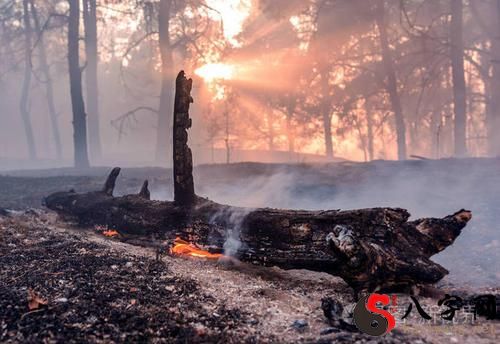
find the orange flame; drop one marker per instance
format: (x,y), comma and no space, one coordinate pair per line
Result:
(110,233)
(184,248)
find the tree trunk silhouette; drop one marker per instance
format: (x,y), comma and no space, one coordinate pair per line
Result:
(325,109)
(369,130)
(327,124)
(391,83)
(163,136)
(182,156)
(435,131)
(226,137)
(458,77)
(49,87)
(270,130)
(290,109)
(92,85)
(493,113)
(75,79)
(25,91)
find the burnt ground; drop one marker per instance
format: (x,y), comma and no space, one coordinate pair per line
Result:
(102,290)
(94,294)
(60,284)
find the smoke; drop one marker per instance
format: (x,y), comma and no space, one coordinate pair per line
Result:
(426,189)
(232,243)
(232,219)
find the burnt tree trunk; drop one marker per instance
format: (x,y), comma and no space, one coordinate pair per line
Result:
(183,158)
(372,249)
(75,79)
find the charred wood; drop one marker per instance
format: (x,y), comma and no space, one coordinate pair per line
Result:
(183,159)
(371,249)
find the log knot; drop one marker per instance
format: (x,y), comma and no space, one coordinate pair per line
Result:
(343,241)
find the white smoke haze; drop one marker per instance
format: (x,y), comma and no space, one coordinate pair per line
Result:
(232,219)
(426,189)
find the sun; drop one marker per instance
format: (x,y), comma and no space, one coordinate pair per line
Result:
(232,14)
(215,71)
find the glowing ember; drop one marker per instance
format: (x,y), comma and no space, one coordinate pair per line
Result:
(110,233)
(183,248)
(215,71)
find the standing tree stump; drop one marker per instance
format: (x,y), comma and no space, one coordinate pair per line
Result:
(183,158)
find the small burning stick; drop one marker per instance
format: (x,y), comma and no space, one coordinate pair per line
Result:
(183,248)
(110,233)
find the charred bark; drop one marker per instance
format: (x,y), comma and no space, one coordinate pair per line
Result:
(183,158)
(371,249)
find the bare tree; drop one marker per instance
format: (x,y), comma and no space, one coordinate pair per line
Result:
(369,129)
(326,112)
(75,79)
(25,91)
(493,119)
(164,137)
(391,83)
(290,106)
(92,85)
(458,77)
(47,80)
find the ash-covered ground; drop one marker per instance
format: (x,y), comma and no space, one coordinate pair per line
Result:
(98,290)
(60,284)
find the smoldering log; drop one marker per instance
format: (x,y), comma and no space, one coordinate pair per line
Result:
(371,249)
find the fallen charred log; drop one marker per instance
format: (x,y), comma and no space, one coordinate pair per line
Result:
(372,249)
